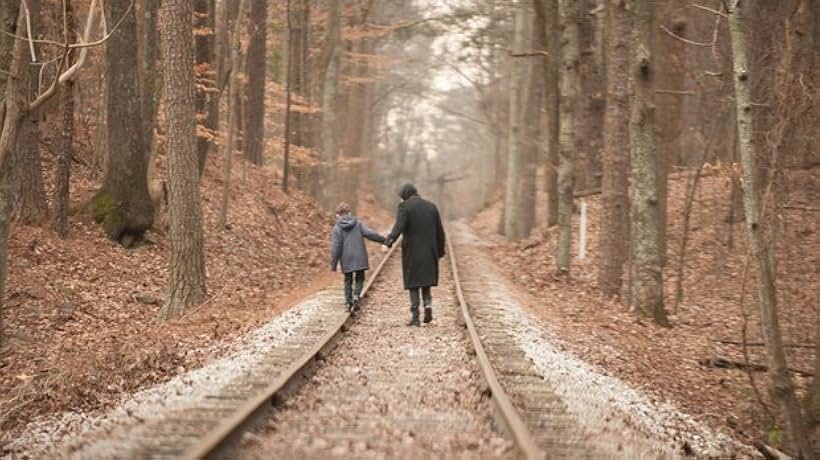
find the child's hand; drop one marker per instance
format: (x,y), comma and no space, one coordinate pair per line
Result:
(384,248)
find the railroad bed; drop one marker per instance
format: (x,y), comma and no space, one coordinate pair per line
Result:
(390,391)
(370,387)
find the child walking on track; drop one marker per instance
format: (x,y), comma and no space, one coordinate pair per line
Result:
(347,246)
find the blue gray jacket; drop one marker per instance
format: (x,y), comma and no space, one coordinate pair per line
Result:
(347,244)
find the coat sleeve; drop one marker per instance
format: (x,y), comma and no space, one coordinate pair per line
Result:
(371,234)
(335,248)
(440,236)
(399,226)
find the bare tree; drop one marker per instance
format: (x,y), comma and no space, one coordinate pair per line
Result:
(568,12)
(615,183)
(516,164)
(27,192)
(16,106)
(781,386)
(547,14)
(233,96)
(646,279)
(186,271)
(151,72)
(123,205)
(63,182)
(205,75)
(329,135)
(256,67)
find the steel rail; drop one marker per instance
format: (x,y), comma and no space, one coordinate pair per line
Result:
(505,412)
(212,444)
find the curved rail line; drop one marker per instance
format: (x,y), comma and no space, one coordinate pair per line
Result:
(228,431)
(504,412)
(216,443)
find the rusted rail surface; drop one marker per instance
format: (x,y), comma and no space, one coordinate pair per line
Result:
(505,412)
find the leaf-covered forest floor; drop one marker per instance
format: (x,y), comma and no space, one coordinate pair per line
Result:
(83,315)
(665,363)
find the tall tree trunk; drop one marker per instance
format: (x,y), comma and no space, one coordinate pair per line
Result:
(330,86)
(513,228)
(27,189)
(186,274)
(63,182)
(551,36)
(590,112)
(299,49)
(233,97)
(646,276)
(205,75)
(615,184)
(14,110)
(151,72)
(568,12)
(781,386)
(8,21)
(123,206)
(533,131)
(256,67)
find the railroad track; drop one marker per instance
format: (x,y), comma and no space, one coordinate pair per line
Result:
(528,413)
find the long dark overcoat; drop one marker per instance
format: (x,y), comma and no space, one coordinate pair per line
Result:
(423,244)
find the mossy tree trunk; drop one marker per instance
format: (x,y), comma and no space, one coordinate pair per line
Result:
(123,206)
(186,271)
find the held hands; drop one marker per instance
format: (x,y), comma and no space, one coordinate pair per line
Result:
(384,248)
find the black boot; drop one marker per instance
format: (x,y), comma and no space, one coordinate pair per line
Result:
(414,319)
(428,314)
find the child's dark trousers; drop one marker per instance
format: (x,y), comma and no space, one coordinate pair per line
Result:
(354,281)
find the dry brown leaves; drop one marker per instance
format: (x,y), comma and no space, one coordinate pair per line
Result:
(664,362)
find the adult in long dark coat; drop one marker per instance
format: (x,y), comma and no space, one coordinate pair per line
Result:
(421,248)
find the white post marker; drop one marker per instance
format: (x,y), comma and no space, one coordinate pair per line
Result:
(582,233)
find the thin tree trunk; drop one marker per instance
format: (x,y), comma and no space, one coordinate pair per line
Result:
(781,386)
(186,274)
(151,73)
(549,10)
(256,68)
(233,97)
(330,85)
(205,76)
(515,154)
(646,277)
(62,188)
(615,183)
(288,97)
(569,11)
